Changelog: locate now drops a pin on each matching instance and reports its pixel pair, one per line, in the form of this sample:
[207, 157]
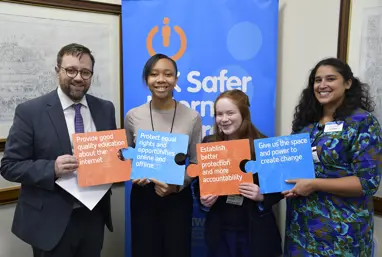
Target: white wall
[308, 33]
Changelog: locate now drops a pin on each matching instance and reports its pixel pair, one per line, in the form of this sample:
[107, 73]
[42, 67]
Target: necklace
[173, 117]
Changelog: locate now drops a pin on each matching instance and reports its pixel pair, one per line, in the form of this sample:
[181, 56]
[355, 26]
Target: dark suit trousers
[82, 238]
[160, 227]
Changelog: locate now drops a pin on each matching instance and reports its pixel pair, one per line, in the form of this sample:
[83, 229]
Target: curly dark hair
[309, 110]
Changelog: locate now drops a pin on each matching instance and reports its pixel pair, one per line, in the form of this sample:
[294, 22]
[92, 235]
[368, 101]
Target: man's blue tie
[78, 128]
[78, 121]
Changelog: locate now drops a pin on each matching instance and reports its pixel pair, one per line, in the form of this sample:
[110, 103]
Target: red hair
[246, 130]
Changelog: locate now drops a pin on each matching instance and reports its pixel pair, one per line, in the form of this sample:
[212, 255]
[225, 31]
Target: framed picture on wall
[32, 32]
[360, 45]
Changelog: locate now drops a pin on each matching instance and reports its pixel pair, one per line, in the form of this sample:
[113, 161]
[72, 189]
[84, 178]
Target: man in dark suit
[39, 150]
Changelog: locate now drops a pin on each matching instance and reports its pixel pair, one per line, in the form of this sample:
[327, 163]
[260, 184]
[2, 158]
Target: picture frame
[352, 45]
[88, 20]
[2, 145]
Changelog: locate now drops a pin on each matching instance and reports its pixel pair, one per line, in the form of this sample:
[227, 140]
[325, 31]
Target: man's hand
[163, 189]
[65, 164]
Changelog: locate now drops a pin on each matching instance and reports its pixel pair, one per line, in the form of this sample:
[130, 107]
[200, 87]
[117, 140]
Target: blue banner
[218, 45]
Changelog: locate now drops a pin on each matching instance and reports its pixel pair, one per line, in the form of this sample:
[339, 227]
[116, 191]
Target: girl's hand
[251, 191]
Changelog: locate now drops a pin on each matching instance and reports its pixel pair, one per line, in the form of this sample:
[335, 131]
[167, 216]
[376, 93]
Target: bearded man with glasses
[39, 150]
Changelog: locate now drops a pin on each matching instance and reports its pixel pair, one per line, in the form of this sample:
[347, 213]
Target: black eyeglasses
[72, 73]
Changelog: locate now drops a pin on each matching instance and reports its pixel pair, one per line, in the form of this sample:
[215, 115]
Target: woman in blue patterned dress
[332, 215]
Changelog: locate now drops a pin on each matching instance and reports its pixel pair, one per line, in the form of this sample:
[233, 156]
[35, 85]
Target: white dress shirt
[69, 112]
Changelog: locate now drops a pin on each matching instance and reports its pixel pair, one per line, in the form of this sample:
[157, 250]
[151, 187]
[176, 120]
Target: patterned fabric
[78, 121]
[324, 224]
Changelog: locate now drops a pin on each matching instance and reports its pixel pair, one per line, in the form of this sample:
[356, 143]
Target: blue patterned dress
[324, 224]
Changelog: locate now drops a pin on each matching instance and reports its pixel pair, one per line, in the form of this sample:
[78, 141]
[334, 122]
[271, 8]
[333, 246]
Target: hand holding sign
[163, 189]
[65, 164]
[208, 200]
[251, 191]
[303, 187]
[218, 167]
[281, 158]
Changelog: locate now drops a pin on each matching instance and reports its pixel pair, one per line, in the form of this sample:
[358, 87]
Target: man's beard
[74, 94]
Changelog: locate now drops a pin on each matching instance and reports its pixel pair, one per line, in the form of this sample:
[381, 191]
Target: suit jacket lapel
[96, 112]
[56, 115]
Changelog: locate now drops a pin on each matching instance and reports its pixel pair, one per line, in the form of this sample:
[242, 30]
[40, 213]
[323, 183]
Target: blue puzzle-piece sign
[282, 158]
[154, 156]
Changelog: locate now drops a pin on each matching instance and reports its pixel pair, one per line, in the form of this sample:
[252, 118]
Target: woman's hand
[141, 181]
[303, 187]
[208, 200]
[289, 194]
[163, 189]
[251, 191]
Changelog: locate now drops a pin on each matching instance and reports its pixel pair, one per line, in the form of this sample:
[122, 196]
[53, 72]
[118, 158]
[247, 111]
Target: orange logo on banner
[166, 36]
[97, 154]
[218, 167]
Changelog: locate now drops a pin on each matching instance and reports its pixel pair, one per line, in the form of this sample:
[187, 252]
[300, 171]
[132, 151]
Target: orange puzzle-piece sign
[97, 154]
[218, 167]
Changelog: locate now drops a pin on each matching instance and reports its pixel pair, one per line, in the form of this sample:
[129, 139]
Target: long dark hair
[247, 130]
[309, 110]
